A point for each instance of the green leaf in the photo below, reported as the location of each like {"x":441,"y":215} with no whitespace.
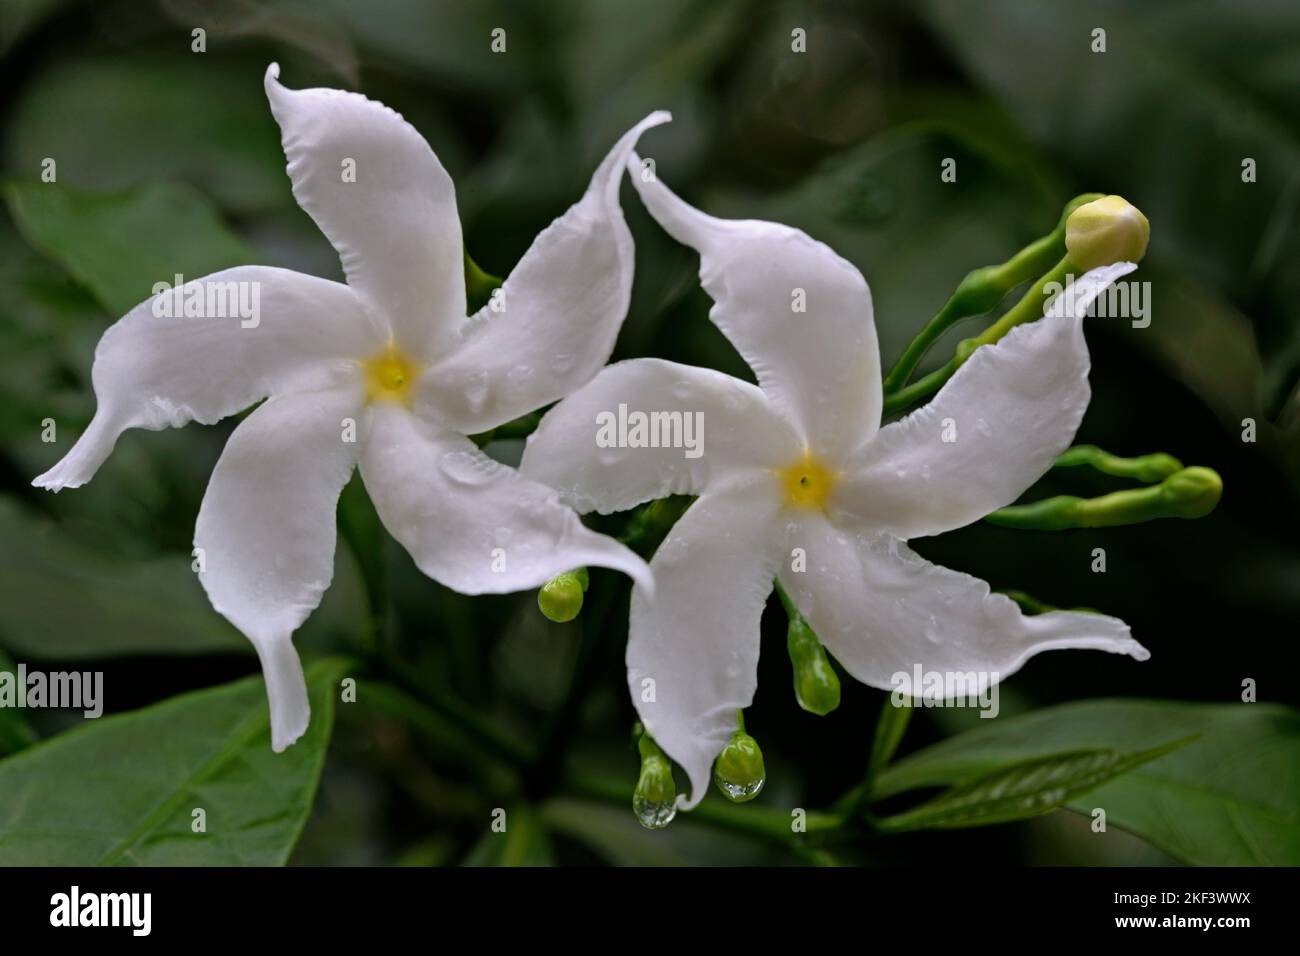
{"x":116,"y":123}
{"x":15,"y":732}
{"x":1022,"y":790}
{"x":122,"y":790}
{"x":59,"y":600}
{"x":62,"y":600}
{"x":119,"y":245}
{"x":1229,"y":798}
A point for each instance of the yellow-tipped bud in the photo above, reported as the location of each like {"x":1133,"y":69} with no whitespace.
{"x":1106,"y":230}
{"x":1193,"y":492}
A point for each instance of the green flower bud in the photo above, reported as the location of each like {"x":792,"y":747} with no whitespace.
{"x":560,"y":598}
{"x":1193,"y":492}
{"x":1106,"y":230}
{"x":816,"y":685}
{"x":738,"y":771}
{"x":655,"y":799}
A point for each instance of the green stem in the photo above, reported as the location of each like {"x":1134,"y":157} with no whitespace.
{"x":890,"y":728}
{"x":1189,"y":493}
{"x":1028,"y":309}
{"x":1146,"y":468}
{"x":980,"y":292}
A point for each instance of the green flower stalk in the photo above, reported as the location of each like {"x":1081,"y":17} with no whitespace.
{"x":982,"y":289}
{"x":1189,"y":493}
{"x":1147,"y":469}
{"x":1094,"y":231}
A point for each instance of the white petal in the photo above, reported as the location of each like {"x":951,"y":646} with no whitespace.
{"x":732,"y":427}
{"x":394,"y":223}
{"x":555,"y":320}
{"x":266,"y":531}
{"x":820,"y":366}
{"x":883,"y":610}
{"x":470,"y":522}
{"x":154,"y":371}
{"x":990,"y":433}
{"x":696,"y":638}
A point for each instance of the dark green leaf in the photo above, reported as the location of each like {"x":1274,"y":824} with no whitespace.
{"x":15,"y":732}
{"x":123,"y":790}
{"x":116,"y":123}
{"x":119,"y":245}
{"x":61,"y":600}
{"x":1022,"y":790}
{"x":1229,"y":798}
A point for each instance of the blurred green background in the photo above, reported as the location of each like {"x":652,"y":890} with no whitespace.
{"x":168,"y":161}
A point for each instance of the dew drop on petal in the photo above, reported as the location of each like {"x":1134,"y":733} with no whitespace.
{"x":464,"y":468}
{"x":476,"y":390}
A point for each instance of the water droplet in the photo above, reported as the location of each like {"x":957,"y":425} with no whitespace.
{"x":740,"y":792}
{"x":654,"y":815}
{"x":464,"y":468}
{"x":682,"y":390}
{"x":476,"y":390}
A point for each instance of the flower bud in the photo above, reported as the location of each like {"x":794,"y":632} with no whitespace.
{"x":1106,"y":230}
{"x":560,"y":598}
{"x":1193,"y":492}
{"x":816,"y":685}
{"x":655,"y":799}
{"x":738,"y":771}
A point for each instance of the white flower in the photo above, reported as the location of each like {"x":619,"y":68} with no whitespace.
{"x":797,"y":473}
{"x":385,"y":373}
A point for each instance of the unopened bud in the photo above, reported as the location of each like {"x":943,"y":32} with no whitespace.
{"x":1193,"y":492}
{"x":1104,"y":231}
{"x":655,"y":799}
{"x":560,"y":598}
{"x":816,"y":685}
{"x":739,"y":771}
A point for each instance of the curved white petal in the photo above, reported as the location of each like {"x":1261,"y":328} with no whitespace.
{"x":692,"y":651}
{"x":469,"y":522}
{"x":883,"y":611}
{"x":709,"y":428}
{"x":799,"y":314}
{"x":382,"y":198}
{"x":554,"y":321}
{"x":990,"y":433}
{"x":266,"y":531}
{"x":157,"y":370}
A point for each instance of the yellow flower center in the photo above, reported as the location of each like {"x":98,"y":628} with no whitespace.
{"x":389,"y":376}
{"x":807,"y":482}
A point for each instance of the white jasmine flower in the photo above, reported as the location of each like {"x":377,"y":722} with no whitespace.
{"x":385,"y":373}
{"x":799,"y":481}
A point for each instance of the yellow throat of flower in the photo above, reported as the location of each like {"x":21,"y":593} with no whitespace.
{"x":807,"y":482}
{"x":389,"y":376}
